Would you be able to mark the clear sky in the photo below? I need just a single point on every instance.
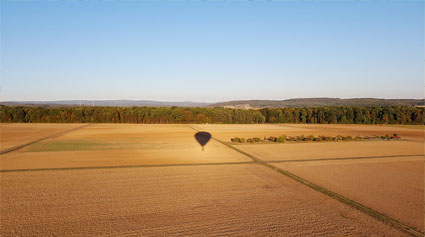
(211, 50)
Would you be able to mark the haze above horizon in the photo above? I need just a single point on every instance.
(211, 51)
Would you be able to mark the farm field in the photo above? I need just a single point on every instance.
(13, 134)
(215, 200)
(118, 145)
(385, 175)
(135, 179)
(333, 150)
(393, 186)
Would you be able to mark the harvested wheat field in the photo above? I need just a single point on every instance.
(333, 150)
(393, 186)
(132, 179)
(118, 145)
(16, 134)
(207, 200)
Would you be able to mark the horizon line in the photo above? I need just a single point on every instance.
(196, 101)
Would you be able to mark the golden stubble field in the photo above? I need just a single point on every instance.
(385, 175)
(207, 200)
(14, 134)
(118, 145)
(126, 179)
(394, 186)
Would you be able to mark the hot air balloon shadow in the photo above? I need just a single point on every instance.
(202, 138)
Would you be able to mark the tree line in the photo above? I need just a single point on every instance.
(218, 115)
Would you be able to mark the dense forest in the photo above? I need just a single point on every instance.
(151, 115)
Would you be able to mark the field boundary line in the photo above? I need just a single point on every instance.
(356, 205)
(126, 166)
(41, 139)
(345, 158)
(414, 141)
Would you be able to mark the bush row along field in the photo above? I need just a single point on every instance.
(312, 138)
(189, 115)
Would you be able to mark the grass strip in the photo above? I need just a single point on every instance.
(41, 139)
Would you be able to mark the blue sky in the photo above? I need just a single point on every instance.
(211, 50)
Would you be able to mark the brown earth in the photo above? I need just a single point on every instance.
(209, 200)
(392, 186)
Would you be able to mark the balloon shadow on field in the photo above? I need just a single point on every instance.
(203, 138)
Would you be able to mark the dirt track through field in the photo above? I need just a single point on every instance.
(207, 164)
(127, 166)
(345, 158)
(367, 210)
(41, 139)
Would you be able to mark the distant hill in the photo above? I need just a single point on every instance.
(238, 104)
(317, 102)
(117, 103)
